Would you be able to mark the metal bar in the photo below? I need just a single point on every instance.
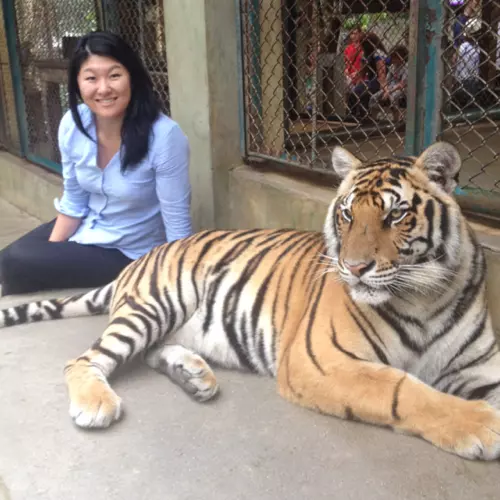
(473, 116)
(289, 16)
(425, 75)
(241, 78)
(314, 78)
(100, 14)
(478, 201)
(433, 71)
(16, 73)
(44, 162)
(255, 67)
(346, 135)
(141, 30)
(283, 161)
(414, 72)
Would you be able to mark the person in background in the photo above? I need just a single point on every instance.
(468, 82)
(353, 58)
(467, 10)
(125, 168)
(374, 73)
(394, 94)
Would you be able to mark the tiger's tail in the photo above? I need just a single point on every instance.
(90, 303)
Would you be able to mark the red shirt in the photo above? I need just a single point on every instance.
(353, 56)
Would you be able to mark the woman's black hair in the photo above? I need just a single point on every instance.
(370, 43)
(143, 108)
(401, 51)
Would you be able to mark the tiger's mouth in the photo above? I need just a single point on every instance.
(369, 294)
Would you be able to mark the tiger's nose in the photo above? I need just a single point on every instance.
(358, 268)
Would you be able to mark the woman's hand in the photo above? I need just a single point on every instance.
(64, 228)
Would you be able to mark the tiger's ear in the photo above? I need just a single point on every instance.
(343, 161)
(441, 162)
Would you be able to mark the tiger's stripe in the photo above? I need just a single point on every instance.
(91, 303)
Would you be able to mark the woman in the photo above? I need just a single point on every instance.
(126, 179)
(394, 95)
(353, 58)
(469, 89)
(374, 72)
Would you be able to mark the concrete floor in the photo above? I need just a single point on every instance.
(247, 444)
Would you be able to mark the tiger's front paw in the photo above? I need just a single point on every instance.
(93, 404)
(472, 431)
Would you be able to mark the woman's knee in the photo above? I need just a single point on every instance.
(21, 269)
(19, 259)
(5, 260)
(11, 271)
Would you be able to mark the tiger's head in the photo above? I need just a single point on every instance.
(394, 227)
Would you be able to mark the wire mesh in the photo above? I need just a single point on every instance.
(47, 31)
(141, 23)
(9, 134)
(321, 72)
(471, 89)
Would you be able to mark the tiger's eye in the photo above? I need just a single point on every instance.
(346, 214)
(397, 215)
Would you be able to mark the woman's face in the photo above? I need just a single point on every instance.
(355, 36)
(397, 60)
(104, 86)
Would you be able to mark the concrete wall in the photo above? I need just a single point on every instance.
(272, 200)
(28, 187)
(203, 82)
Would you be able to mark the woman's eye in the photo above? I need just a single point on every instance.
(115, 75)
(346, 214)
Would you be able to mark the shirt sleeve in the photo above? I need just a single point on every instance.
(173, 186)
(74, 201)
(404, 75)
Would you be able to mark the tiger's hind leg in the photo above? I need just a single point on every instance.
(187, 369)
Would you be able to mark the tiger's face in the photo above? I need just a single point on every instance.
(392, 229)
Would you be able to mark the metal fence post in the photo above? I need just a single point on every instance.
(17, 81)
(241, 79)
(425, 74)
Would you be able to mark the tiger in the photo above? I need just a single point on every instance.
(381, 317)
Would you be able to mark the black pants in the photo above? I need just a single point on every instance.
(359, 99)
(33, 263)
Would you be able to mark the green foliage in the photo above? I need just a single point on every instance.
(366, 21)
(91, 20)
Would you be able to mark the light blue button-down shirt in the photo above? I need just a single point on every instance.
(134, 211)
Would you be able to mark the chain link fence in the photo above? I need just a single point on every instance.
(315, 72)
(471, 89)
(9, 133)
(141, 23)
(320, 73)
(47, 31)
